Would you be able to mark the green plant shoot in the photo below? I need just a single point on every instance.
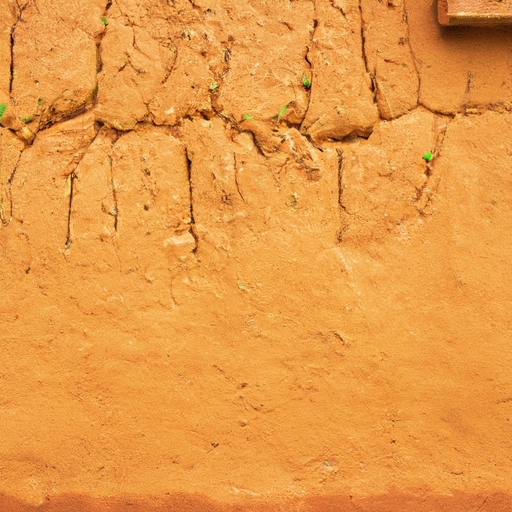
(428, 156)
(104, 21)
(3, 108)
(306, 82)
(26, 119)
(213, 86)
(281, 112)
(247, 117)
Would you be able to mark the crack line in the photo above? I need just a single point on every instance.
(310, 64)
(236, 178)
(72, 177)
(343, 210)
(426, 192)
(415, 60)
(114, 211)
(9, 193)
(192, 229)
(365, 58)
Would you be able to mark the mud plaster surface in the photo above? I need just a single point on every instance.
(287, 310)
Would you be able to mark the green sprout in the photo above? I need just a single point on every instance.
(26, 119)
(213, 86)
(40, 101)
(306, 82)
(3, 108)
(104, 21)
(281, 112)
(428, 156)
(247, 117)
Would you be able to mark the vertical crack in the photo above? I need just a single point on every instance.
(415, 60)
(8, 192)
(340, 178)
(468, 85)
(11, 68)
(219, 79)
(340, 8)
(19, 14)
(71, 184)
(72, 177)
(107, 7)
(425, 193)
(192, 229)
(113, 211)
(467, 93)
(236, 178)
(310, 64)
(170, 66)
(343, 210)
(371, 74)
(363, 46)
(99, 61)
(2, 212)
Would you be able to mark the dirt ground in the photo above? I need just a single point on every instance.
(230, 280)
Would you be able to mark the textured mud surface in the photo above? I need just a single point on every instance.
(224, 290)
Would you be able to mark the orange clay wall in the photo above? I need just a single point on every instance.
(255, 255)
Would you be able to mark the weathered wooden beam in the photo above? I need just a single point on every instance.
(474, 12)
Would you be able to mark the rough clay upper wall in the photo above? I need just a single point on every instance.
(178, 63)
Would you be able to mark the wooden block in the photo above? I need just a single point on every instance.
(474, 12)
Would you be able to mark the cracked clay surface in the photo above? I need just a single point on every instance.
(230, 280)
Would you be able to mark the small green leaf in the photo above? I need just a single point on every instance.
(247, 117)
(3, 108)
(306, 82)
(404, 65)
(428, 156)
(282, 111)
(213, 86)
(104, 21)
(40, 101)
(26, 119)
